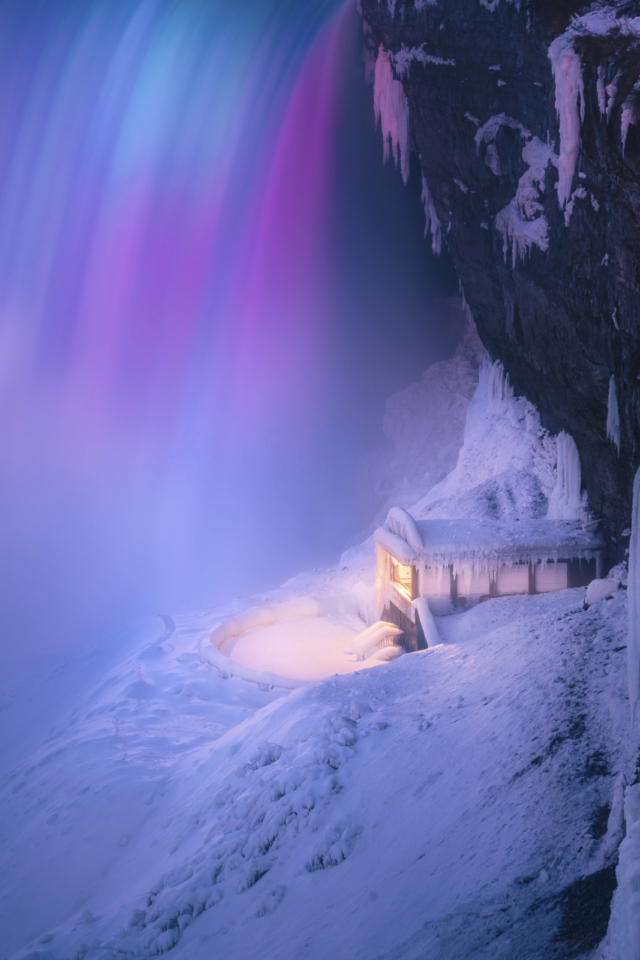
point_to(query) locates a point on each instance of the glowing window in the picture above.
(401, 576)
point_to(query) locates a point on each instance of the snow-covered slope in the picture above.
(447, 804)
(465, 801)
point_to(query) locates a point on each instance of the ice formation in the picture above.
(566, 502)
(522, 222)
(613, 415)
(630, 113)
(505, 468)
(431, 219)
(567, 72)
(391, 110)
(405, 56)
(633, 650)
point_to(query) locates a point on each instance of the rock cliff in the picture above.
(524, 117)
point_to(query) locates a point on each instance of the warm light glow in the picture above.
(401, 576)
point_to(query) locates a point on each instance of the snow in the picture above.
(521, 223)
(599, 590)
(613, 415)
(447, 803)
(600, 21)
(391, 110)
(506, 466)
(419, 807)
(431, 219)
(578, 194)
(405, 57)
(566, 501)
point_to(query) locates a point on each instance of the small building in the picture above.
(456, 563)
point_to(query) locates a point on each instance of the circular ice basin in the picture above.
(303, 649)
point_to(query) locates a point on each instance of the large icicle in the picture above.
(613, 415)
(565, 503)
(567, 73)
(391, 109)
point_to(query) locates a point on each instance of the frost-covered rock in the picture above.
(601, 590)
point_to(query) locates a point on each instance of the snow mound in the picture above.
(507, 464)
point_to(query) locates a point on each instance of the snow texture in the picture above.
(506, 466)
(566, 501)
(447, 804)
(403, 59)
(522, 222)
(392, 112)
(613, 415)
(431, 219)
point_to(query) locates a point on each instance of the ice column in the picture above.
(391, 109)
(613, 416)
(565, 503)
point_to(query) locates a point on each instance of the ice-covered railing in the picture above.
(392, 112)
(566, 66)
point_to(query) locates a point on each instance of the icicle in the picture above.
(613, 416)
(431, 219)
(565, 503)
(567, 73)
(633, 642)
(390, 108)
(496, 381)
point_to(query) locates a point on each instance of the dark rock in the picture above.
(561, 321)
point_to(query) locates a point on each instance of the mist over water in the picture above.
(209, 284)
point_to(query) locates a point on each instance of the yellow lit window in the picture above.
(401, 576)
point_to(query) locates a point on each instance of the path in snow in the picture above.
(449, 804)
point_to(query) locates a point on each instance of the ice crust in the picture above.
(613, 415)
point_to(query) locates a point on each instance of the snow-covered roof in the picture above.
(437, 542)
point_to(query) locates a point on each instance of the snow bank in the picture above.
(506, 465)
(624, 929)
(599, 590)
(613, 415)
(427, 622)
(391, 110)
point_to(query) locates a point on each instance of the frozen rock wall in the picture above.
(524, 116)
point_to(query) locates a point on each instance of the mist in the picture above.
(209, 285)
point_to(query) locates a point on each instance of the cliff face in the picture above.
(540, 208)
